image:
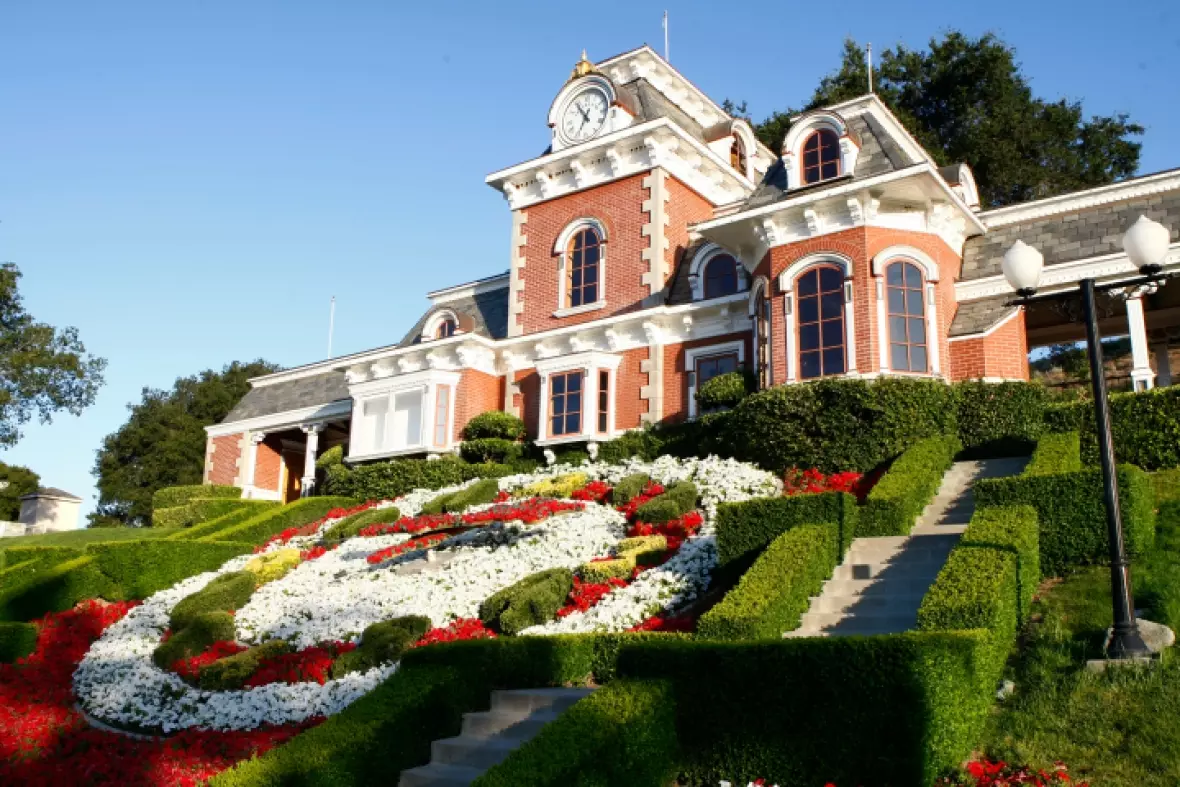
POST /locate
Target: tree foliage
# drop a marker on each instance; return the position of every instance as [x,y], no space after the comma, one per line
[43,369]
[163,442]
[15,482]
[966,100]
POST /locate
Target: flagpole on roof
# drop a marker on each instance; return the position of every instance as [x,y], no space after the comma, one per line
[869,59]
[667,55]
[331,323]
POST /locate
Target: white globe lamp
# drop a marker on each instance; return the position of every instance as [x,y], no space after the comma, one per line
[1146,244]
[1022,268]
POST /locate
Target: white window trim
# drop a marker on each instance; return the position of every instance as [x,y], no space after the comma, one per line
[761,286]
[430,329]
[930,298]
[701,260]
[426,383]
[690,366]
[560,250]
[786,285]
[798,135]
[586,363]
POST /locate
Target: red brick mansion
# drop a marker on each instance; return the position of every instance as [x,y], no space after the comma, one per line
[656,243]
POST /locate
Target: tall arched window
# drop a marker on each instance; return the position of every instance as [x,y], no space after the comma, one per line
[721,276]
[907,317]
[821,156]
[583,257]
[737,156]
[446,329]
[820,295]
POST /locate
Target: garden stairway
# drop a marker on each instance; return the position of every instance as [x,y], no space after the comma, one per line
[879,586]
[487,738]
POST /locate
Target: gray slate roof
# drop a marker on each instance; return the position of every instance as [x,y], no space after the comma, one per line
[51,491]
[977,316]
[650,104]
[488,312]
[290,395]
[1075,235]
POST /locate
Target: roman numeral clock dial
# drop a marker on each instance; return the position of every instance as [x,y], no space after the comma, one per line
[584,115]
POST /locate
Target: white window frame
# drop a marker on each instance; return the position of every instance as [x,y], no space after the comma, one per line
[560,250]
[690,366]
[786,285]
[589,364]
[425,384]
[430,329]
[801,131]
[700,262]
[930,273]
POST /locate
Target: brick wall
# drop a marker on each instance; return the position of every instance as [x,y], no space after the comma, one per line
[629,379]
[684,207]
[1001,354]
[222,467]
[478,392]
[268,464]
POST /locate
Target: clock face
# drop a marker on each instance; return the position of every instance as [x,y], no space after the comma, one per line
[584,116]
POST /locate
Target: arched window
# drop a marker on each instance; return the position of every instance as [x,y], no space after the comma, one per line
[820,295]
[446,329]
[583,257]
[721,276]
[907,317]
[821,156]
[737,156]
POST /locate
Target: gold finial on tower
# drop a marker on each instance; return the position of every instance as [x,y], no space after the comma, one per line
[583,67]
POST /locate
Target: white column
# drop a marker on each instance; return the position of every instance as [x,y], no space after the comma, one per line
[1163,364]
[1142,377]
[251,463]
[309,454]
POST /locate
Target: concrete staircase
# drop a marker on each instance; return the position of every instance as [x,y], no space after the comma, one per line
[879,586]
[487,738]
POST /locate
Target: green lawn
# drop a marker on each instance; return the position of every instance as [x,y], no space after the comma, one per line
[1115,730]
[80,538]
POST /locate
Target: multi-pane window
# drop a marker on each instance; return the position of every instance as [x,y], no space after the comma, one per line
[441,411]
[821,156]
[820,293]
[565,404]
[603,401]
[721,276]
[446,329]
[737,156]
[907,317]
[712,366]
[585,254]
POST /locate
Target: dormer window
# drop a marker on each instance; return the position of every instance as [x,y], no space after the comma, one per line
[715,273]
[721,276]
[737,156]
[441,325]
[446,329]
[821,156]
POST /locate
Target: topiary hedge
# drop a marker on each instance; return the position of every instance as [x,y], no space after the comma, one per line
[999,419]
[629,487]
[772,596]
[172,496]
[225,593]
[675,501]
[392,479]
[1071,514]
[494,424]
[382,642]
[196,510]
[232,672]
[195,638]
[1056,453]
[725,390]
[530,602]
[480,492]
[1145,426]
[262,526]
[909,485]
[491,450]
[744,529]
[1013,531]
[17,640]
[245,509]
[352,526]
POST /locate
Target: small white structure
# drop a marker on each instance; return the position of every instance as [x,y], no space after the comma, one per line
[49,510]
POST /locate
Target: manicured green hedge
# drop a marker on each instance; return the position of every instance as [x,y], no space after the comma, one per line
[1012,530]
[382,642]
[1145,427]
[491,450]
[268,523]
[1071,514]
[196,510]
[18,562]
[999,419]
[629,487]
[675,501]
[884,710]
[776,591]
[172,496]
[909,485]
[389,480]
[351,526]
[724,390]
[622,734]
[1059,452]
[232,672]
[225,593]
[195,638]
[530,602]
[744,529]
[494,424]
[245,509]
[17,640]
[480,492]
[55,589]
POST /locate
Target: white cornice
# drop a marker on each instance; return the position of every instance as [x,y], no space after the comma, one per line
[285,420]
[645,63]
[1136,188]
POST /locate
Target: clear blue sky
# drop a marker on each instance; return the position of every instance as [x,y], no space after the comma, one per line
[189,183]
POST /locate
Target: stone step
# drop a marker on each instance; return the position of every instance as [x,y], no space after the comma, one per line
[530,700]
[920,569]
[856,604]
[473,751]
[517,726]
[916,554]
[859,587]
[436,775]
[855,627]
[887,618]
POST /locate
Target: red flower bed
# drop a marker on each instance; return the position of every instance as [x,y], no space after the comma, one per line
[651,490]
[311,528]
[674,531]
[593,492]
[812,481]
[459,629]
[190,669]
[679,623]
[45,741]
[316,552]
[587,594]
[310,664]
[527,511]
[414,543]
[984,773]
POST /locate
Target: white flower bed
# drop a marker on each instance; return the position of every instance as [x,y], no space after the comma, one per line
[337,595]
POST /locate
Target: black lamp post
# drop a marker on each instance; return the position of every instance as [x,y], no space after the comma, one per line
[1146,244]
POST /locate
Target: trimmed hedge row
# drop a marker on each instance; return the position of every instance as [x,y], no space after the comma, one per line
[42,556]
[744,529]
[772,596]
[352,526]
[172,496]
[1071,514]
[909,485]
[245,509]
[195,511]
[624,733]
[262,526]
[232,672]
[676,501]
[1059,452]
[480,492]
[382,642]
[1013,530]
[1145,426]
[529,602]
[227,592]
[17,640]
[999,419]
[195,638]
[390,480]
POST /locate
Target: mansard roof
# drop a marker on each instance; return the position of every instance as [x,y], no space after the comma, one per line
[487,312]
[974,317]
[645,103]
[293,394]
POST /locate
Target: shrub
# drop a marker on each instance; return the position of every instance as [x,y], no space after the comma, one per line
[1056,453]
[245,509]
[1013,530]
[559,486]
[195,638]
[909,485]
[659,510]
[491,450]
[530,602]
[382,642]
[330,458]
[274,565]
[494,423]
[196,510]
[744,529]
[390,480]
[1071,515]
[642,443]
[643,550]
[724,390]
[1145,426]
[605,570]
[17,640]
[1000,419]
[55,589]
[137,569]
[629,487]
[259,528]
[776,591]
[352,526]
[232,672]
[39,557]
[480,492]
[623,733]
[172,496]
[227,592]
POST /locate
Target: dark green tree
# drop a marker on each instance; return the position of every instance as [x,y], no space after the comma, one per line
[966,100]
[43,369]
[163,442]
[15,482]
